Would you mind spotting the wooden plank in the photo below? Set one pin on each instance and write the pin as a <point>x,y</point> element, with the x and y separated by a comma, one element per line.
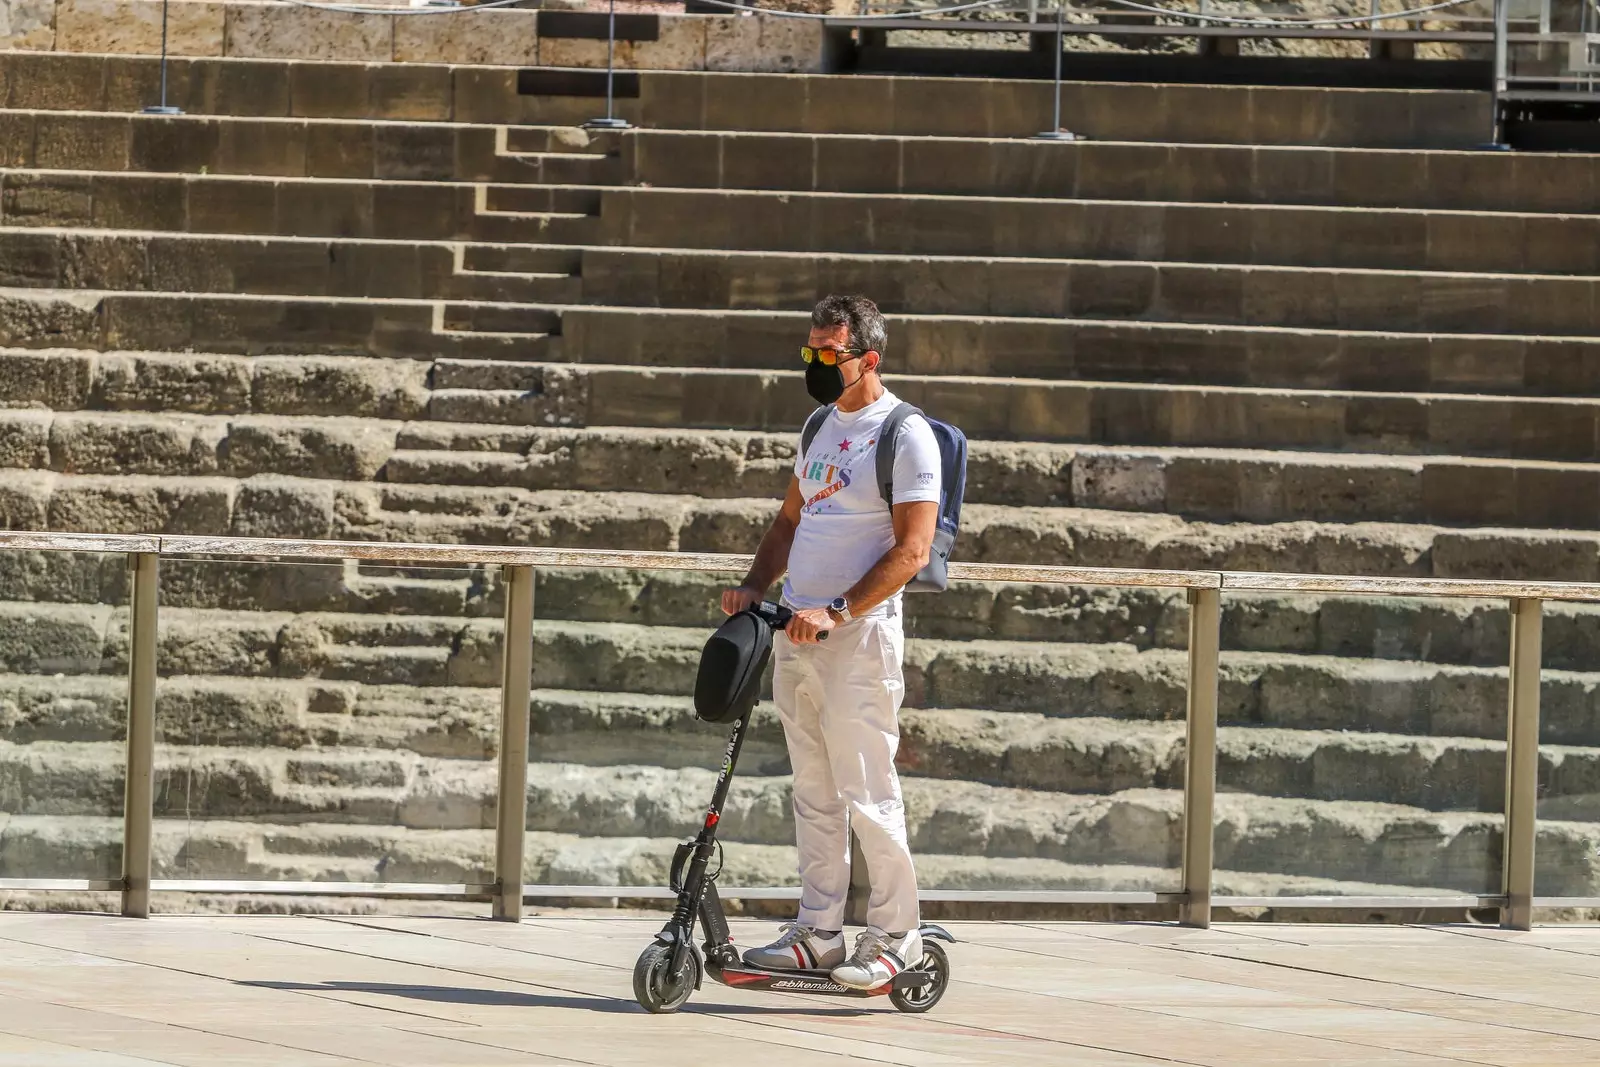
<point>20,540</point>
<point>1436,587</point>
<point>1117,576</point>
<point>408,552</point>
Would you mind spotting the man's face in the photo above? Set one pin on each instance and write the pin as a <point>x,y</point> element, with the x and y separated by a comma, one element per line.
<point>851,367</point>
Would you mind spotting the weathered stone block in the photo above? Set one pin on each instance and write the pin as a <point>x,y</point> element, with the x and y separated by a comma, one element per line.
<point>138,201</point>
<point>230,207</point>
<point>268,31</point>
<point>348,449</point>
<point>414,153</point>
<point>1533,555</point>
<point>1119,482</point>
<point>51,320</point>
<point>506,38</point>
<point>136,504</point>
<point>28,24</point>
<point>58,380</point>
<point>25,439</point>
<point>410,92</point>
<point>383,389</point>
<point>274,507</point>
<point>763,44</point>
<point>46,199</point>
<point>82,443</point>
<point>153,382</point>
<point>194,27</point>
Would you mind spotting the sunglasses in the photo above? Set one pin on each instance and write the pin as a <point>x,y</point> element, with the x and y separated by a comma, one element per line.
<point>829,356</point>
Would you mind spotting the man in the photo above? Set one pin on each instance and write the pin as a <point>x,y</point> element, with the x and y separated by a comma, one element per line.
<point>848,554</point>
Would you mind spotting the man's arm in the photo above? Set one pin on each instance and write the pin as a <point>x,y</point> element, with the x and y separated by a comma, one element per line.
<point>914,525</point>
<point>772,558</point>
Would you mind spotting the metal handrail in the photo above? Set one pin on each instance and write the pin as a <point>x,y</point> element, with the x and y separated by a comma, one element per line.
<point>1194,902</point>
<point>170,545</point>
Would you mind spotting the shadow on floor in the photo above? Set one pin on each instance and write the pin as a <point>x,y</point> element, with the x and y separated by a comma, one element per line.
<point>505,998</point>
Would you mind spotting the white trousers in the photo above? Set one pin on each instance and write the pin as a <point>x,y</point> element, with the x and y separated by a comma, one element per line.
<point>840,701</point>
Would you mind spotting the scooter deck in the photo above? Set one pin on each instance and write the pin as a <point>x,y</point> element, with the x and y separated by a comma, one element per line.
<point>809,981</point>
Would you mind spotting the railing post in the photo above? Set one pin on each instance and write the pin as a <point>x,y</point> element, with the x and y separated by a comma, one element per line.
<point>1200,774</point>
<point>1522,764</point>
<point>137,812</point>
<point>516,657</point>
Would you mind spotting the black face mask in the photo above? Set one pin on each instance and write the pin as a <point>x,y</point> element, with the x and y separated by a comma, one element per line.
<point>824,383</point>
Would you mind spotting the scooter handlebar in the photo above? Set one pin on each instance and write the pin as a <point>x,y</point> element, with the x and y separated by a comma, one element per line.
<point>778,617</point>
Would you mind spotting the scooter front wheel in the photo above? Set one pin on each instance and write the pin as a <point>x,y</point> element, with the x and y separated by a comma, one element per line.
<point>936,964</point>
<point>653,984</point>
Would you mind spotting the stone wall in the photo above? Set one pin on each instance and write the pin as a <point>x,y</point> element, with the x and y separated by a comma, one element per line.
<point>501,37</point>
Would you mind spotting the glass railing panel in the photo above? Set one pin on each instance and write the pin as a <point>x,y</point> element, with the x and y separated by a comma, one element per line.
<point>1361,748</point>
<point>63,713</point>
<point>327,721</point>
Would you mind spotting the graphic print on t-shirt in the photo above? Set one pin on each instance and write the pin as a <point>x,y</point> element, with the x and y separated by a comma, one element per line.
<point>833,470</point>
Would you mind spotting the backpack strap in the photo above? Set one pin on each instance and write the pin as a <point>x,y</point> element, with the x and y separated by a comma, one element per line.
<point>890,435</point>
<point>813,426</point>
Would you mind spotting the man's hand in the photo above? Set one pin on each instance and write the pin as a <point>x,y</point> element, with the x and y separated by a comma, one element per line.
<point>737,600</point>
<point>806,627</point>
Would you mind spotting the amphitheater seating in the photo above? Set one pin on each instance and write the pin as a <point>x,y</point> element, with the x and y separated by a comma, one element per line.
<point>1282,329</point>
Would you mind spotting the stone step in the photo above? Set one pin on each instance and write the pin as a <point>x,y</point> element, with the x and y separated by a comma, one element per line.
<point>1064,348</point>
<point>1089,349</point>
<point>63,846</point>
<point>963,107</point>
<point>1347,841</point>
<point>1007,409</point>
<point>1303,236</point>
<point>273,325</point>
<point>299,148</point>
<point>1326,298</point>
<point>493,393</point>
<point>335,208</point>
<point>1452,631</point>
<point>1437,630</point>
<point>1224,294</point>
<point>1043,675</point>
<point>276,506</point>
<point>139,260</point>
<point>1296,236</point>
<point>1013,749</point>
<point>1216,484</point>
<point>1112,169</point>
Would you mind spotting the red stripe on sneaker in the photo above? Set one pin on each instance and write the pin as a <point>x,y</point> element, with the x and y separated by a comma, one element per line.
<point>887,962</point>
<point>798,958</point>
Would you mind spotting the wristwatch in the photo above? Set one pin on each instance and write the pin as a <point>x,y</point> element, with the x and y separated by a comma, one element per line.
<point>840,607</point>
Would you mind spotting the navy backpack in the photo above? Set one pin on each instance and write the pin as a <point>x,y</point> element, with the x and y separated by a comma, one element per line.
<point>934,578</point>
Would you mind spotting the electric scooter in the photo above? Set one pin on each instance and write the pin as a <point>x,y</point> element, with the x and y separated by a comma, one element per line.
<point>671,969</point>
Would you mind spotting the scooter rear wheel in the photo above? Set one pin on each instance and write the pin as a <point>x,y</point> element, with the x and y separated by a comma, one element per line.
<point>653,984</point>
<point>920,998</point>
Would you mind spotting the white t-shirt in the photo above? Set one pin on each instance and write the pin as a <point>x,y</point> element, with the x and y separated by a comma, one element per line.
<point>845,525</point>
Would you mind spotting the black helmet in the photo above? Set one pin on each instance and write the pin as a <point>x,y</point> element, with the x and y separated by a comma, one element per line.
<point>731,665</point>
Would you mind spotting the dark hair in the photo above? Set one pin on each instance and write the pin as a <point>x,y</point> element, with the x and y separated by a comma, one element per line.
<point>867,329</point>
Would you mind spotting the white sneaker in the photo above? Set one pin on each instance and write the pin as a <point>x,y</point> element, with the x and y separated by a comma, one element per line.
<point>878,958</point>
<point>799,948</point>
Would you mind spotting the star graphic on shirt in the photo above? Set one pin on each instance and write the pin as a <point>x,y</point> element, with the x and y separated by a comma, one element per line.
<point>844,446</point>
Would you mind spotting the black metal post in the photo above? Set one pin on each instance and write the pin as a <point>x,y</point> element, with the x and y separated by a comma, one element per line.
<point>1055,132</point>
<point>1502,79</point>
<point>162,108</point>
<point>610,122</point>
